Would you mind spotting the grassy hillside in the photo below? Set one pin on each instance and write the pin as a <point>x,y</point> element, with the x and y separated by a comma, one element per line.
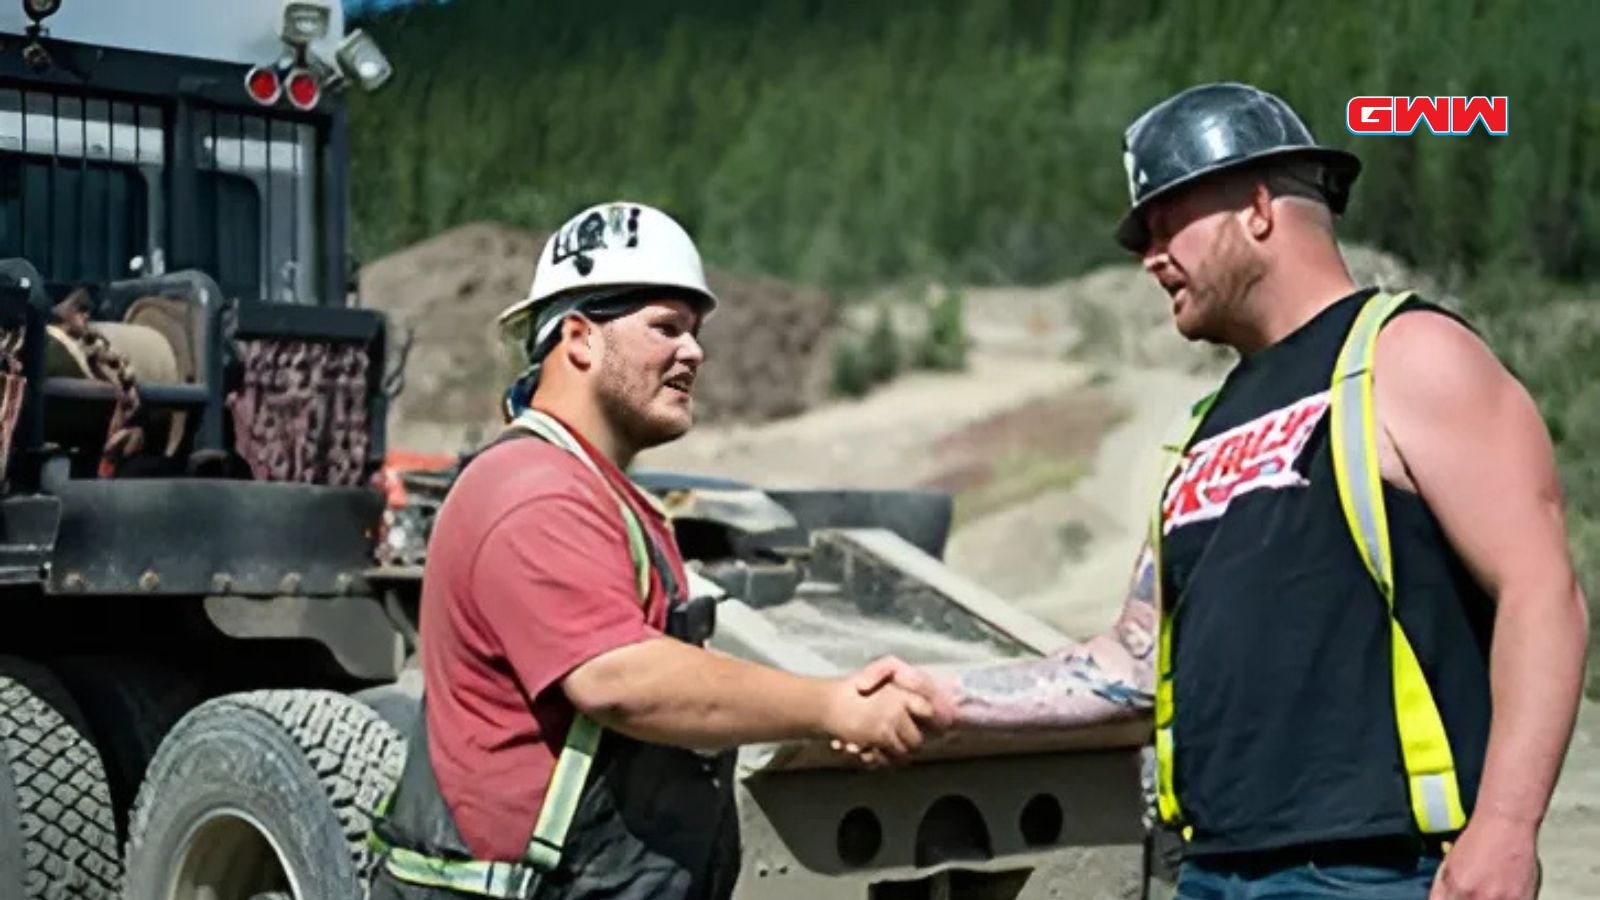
<point>847,142</point>
<point>851,143</point>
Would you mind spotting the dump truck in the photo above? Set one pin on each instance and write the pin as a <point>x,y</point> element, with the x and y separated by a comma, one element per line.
<point>212,580</point>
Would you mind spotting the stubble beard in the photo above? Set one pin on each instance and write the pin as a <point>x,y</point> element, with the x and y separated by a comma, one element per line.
<point>625,397</point>
<point>1221,292</point>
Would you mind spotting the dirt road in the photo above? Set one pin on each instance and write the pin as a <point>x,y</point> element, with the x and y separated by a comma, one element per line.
<point>887,439</point>
<point>1569,843</point>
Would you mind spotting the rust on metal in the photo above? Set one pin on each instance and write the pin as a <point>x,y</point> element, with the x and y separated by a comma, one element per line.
<point>300,413</point>
<point>13,385</point>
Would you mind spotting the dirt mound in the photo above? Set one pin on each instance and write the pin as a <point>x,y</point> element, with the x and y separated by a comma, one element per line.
<point>767,349</point>
<point>767,345</point>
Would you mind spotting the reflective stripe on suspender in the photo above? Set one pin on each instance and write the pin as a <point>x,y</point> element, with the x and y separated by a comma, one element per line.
<point>514,880</point>
<point>1430,769</point>
<point>507,881</point>
<point>1425,748</point>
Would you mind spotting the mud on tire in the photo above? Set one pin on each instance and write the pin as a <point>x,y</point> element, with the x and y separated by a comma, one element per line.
<point>57,834</point>
<point>260,792</point>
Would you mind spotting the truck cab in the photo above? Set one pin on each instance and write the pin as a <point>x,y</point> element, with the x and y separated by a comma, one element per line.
<point>153,137</point>
<point>192,409</point>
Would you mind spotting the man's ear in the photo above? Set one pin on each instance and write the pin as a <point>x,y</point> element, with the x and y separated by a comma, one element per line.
<point>578,336</point>
<point>1260,217</point>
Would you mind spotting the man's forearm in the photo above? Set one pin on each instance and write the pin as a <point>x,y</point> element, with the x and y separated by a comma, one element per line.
<point>1057,692</point>
<point>1106,679</point>
<point>1536,675</point>
<point>666,692</point>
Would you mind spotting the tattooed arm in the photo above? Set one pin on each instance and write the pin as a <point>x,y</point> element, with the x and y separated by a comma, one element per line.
<point>1107,678</point>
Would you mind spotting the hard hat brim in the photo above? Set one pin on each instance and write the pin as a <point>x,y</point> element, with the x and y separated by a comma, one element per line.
<point>512,315</point>
<point>1343,168</point>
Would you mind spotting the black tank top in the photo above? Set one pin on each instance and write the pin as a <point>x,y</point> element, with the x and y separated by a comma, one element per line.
<point>1285,724</point>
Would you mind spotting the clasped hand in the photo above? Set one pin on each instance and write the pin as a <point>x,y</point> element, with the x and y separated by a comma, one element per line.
<point>883,713</point>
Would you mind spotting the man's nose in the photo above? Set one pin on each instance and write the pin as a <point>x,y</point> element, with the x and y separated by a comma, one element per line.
<point>690,351</point>
<point>1155,257</point>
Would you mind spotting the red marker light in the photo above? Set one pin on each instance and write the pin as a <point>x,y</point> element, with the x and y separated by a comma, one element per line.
<point>303,89</point>
<point>262,85</point>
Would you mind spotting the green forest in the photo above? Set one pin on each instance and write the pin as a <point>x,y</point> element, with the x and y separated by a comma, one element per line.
<point>855,144</point>
<point>850,142</point>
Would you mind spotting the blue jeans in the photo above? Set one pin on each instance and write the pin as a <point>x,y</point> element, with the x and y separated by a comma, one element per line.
<point>1310,881</point>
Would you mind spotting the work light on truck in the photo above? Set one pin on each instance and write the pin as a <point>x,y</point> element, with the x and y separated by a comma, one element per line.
<point>360,58</point>
<point>305,21</point>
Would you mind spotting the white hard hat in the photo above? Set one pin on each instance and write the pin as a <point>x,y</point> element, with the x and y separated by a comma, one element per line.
<point>614,245</point>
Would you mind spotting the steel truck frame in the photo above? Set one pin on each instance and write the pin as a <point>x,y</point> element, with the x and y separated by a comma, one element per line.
<point>211,607</point>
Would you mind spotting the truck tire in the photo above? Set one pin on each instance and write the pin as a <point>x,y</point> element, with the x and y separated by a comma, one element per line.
<point>57,835</point>
<point>130,705</point>
<point>10,835</point>
<point>261,794</point>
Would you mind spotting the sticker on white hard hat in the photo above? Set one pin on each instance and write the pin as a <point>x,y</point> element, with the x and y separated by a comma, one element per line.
<point>615,245</point>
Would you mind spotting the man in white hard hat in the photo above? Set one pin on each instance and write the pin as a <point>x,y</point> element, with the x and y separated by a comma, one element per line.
<point>576,738</point>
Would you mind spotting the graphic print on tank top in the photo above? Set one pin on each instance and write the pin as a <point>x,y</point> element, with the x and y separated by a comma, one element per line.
<point>1258,455</point>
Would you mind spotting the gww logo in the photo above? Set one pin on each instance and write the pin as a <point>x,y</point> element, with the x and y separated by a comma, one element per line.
<point>1443,115</point>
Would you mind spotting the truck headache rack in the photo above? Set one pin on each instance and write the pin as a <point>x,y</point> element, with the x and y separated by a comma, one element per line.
<point>79,179</point>
<point>83,182</point>
<point>255,189</point>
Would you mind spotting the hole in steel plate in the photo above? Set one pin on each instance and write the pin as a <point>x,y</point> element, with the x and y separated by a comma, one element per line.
<point>860,836</point>
<point>1041,820</point>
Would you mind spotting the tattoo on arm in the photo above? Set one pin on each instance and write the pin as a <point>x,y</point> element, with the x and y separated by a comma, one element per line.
<point>1073,690</point>
<point>1144,577</point>
<point>1076,688</point>
<point>1136,626</point>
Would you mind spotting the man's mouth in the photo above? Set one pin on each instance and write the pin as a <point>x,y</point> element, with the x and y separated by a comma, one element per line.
<point>683,383</point>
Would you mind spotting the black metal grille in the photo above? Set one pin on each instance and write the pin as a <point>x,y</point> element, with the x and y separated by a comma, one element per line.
<point>86,187</point>
<point>257,196</point>
<point>79,182</point>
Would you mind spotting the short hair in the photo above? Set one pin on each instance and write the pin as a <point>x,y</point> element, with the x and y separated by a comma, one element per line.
<point>1303,178</point>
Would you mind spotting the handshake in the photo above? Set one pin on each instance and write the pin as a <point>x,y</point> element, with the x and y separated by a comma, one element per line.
<point>881,714</point>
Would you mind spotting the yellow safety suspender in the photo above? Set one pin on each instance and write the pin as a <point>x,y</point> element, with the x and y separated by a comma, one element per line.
<point>1430,769</point>
<point>1166,793</point>
<point>512,880</point>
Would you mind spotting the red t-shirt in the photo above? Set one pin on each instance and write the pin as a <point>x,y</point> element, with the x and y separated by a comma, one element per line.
<point>528,577</point>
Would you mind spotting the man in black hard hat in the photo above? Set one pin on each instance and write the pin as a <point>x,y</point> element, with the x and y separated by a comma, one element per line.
<point>1360,554</point>
<point>1357,554</point>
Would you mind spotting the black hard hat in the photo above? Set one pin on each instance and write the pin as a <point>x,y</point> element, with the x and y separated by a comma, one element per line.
<point>1213,128</point>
